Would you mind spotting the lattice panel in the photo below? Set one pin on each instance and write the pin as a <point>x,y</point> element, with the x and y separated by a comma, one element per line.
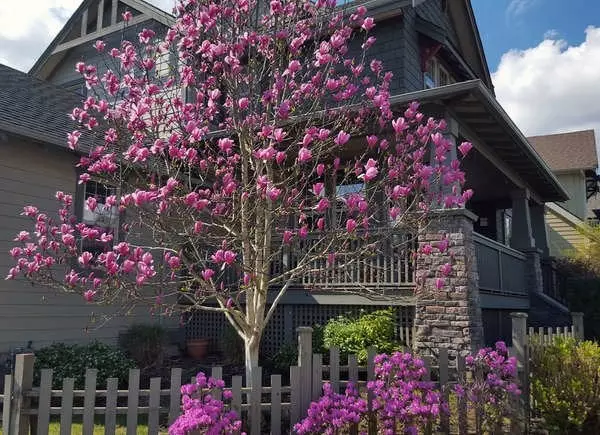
<point>282,327</point>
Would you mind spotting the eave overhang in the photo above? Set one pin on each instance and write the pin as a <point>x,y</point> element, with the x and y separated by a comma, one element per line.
<point>473,106</point>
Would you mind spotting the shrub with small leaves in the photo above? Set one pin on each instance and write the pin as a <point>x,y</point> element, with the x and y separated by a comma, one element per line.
<point>145,344</point>
<point>354,335</point>
<point>565,385</point>
<point>71,361</point>
<point>202,412</point>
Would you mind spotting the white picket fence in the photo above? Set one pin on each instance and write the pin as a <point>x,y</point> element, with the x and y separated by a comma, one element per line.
<point>266,409</point>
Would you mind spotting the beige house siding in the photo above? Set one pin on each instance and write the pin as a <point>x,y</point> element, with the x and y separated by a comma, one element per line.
<point>563,235</point>
<point>31,174</point>
<point>574,183</point>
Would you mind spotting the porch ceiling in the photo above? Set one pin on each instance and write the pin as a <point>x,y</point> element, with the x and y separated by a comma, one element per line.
<point>474,107</point>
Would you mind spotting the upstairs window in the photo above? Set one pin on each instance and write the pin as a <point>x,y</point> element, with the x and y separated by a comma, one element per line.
<point>436,74</point>
<point>102,216</point>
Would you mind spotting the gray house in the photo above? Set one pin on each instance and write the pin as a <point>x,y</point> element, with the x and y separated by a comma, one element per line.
<point>498,241</point>
<point>35,163</point>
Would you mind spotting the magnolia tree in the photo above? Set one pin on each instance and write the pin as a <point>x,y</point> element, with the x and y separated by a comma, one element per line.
<point>249,148</point>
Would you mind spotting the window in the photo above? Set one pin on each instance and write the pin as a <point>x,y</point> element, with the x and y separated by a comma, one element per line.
<point>102,216</point>
<point>507,225</point>
<point>436,74</point>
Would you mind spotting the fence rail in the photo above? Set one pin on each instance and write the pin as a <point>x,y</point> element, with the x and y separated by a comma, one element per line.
<point>27,407</point>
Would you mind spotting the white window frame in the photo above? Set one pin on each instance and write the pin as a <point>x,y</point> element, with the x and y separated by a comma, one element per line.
<point>433,79</point>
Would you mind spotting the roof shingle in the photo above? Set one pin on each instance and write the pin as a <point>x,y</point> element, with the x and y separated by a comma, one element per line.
<point>35,109</point>
<point>567,151</point>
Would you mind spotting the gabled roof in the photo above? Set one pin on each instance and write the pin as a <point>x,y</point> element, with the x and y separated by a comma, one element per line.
<point>144,11</point>
<point>575,150</point>
<point>35,109</point>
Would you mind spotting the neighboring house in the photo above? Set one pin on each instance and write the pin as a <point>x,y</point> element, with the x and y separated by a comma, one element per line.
<point>573,159</point>
<point>34,164</point>
<point>435,53</point>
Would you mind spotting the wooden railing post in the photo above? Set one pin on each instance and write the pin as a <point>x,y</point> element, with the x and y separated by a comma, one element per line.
<point>23,381</point>
<point>578,325</point>
<point>305,357</point>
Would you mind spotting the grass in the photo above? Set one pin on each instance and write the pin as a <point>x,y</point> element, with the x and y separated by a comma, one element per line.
<point>77,428</point>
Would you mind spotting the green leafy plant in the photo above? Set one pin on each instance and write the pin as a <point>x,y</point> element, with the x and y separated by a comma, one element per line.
<point>71,361</point>
<point>565,385</point>
<point>354,335</point>
<point>231,346</point>
<point>144,344</point>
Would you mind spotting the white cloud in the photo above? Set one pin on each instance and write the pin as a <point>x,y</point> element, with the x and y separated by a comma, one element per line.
<point>518,7</point>
<point>552,87</point>
<point>551,34</point>
<point>28,26</point>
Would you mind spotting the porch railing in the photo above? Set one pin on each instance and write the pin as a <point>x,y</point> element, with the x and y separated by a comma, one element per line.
<point>501,269</point>
<point>390,266</point>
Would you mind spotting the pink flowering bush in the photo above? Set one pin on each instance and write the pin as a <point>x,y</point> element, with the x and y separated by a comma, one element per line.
<point>403,401</point>
<point>202,412</point>
<point>333,412</point>
<point>491,385</point>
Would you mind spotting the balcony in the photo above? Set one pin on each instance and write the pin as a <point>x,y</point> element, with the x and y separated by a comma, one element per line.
<point>501,269</point>
<point>387,269</point>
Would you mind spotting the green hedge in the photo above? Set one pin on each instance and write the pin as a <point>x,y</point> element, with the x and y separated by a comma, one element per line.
<point>71,361</point>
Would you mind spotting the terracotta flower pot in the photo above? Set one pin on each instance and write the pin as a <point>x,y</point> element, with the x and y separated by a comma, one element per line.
<point>197,348</point>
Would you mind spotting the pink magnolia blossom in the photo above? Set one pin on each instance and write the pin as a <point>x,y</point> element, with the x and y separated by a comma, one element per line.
<point>304,155</point>
<point>465,147</point>
<point>371,170</point>
<point>89,295</point>
<point>350,225</point>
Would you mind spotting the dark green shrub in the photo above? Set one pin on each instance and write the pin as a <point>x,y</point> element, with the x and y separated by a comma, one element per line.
<point>71,361</point>
<point>565,385</point>
<point>354,335</point>
<point>144,344</point>
<point>231,346</point>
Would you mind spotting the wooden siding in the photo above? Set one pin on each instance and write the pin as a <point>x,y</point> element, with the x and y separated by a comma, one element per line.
<point>574,183</point>
<point>31,174</point>
<point>563,236</point>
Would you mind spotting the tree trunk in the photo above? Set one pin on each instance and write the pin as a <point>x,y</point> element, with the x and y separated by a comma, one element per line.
<point>251,348</point>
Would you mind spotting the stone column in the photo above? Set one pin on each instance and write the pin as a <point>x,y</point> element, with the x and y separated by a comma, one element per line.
<point>523,240</point>
<point>449,317</point>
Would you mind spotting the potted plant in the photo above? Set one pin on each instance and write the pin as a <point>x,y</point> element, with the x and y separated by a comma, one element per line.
<point>197,347</point>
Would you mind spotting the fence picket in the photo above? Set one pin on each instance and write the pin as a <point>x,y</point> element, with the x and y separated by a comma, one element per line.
<point>370,377</point>
<point>334,368</point>
<point>6,399</point>
<point>89,401</point>
<point>444,389</point>
<point>255,401</point>
<point>353,369</point>
<point>154,406</point>
<point>175,394</point>
<point>461,401</point>
<point>133,399</point>
<point>110,418</point>
<point>317,376</point>
<point>294,395</point>
<point>66,406</point>
<point>275,404</point>
<point>236,394</point>
<point>217,373</point>
<point>43,421</point>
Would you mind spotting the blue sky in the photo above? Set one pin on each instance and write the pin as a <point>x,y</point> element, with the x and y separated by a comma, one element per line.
<point>520,24</point>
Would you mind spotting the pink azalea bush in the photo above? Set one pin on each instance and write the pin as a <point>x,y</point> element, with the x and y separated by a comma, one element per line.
<point>491,386</point>
<point>333,412</point>
<point>402,400</point>
<point>202,412</point>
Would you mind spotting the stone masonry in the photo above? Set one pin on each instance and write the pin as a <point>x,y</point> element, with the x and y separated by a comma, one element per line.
<point>449,317</point>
